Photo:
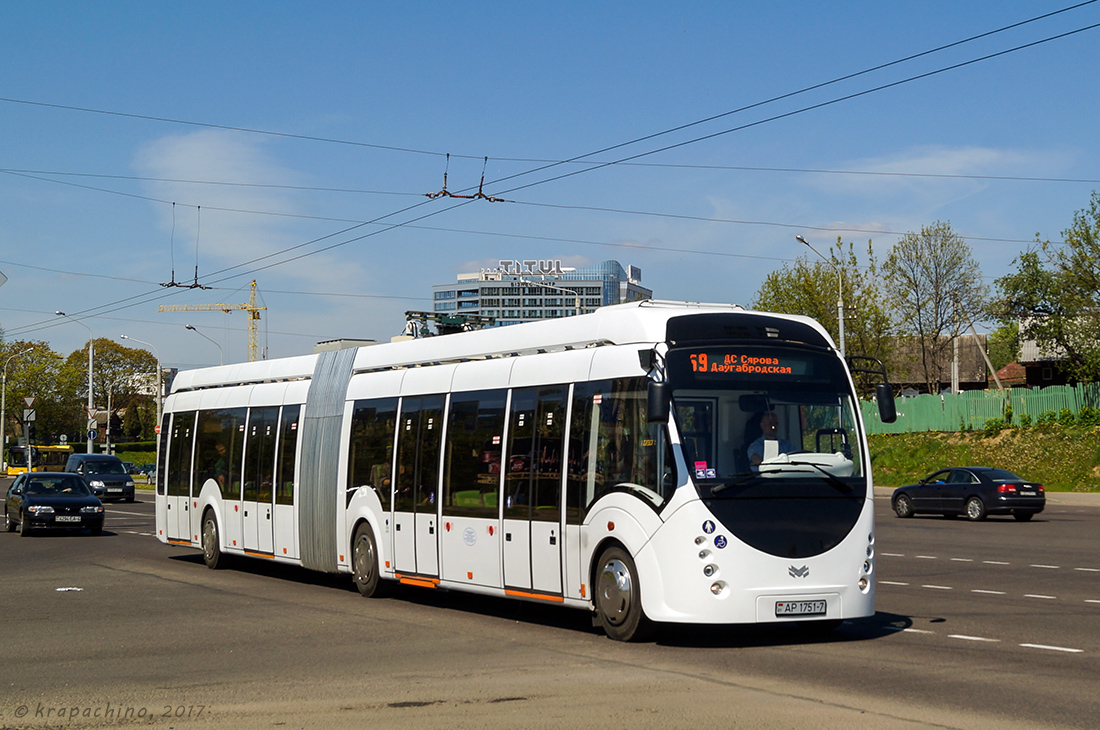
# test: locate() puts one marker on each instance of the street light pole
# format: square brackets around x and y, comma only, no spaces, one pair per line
[160,390]
[839,290]
[91,358]
[4,409]
[200,334]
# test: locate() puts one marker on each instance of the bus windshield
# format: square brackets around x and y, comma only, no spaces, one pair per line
[774,418]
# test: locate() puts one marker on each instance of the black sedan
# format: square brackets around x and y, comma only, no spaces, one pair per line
[53,501]
[974,491]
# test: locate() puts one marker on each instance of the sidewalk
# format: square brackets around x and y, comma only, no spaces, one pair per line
[1078,499]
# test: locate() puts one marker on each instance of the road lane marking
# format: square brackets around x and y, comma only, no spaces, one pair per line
[964,637]
[891,583]
[926,557]
[1035,595]
[119,512]
[893,555]
[1051,567]
[1088,570]
[939,588]
[992,593]
[1053,648]
[1091,600]
[918,631]
[995,562]
[962,560]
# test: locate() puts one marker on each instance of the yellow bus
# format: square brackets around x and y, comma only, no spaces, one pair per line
[43,458]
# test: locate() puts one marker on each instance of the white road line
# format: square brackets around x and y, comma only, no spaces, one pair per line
[964,637]
[962,560]
[995,562]
[1088,570]
[926,557]
[893,555]
[917,631]
[992,593]
[891,583]
[1091,600]
[1053,648]
[1051,567]
[939,588]
[1034,595]
[118,512]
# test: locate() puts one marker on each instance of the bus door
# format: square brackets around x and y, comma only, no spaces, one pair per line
[416,483]
[178,476]
[257,503]
[532,490]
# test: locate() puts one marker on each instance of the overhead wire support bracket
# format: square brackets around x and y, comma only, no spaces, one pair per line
[479,195]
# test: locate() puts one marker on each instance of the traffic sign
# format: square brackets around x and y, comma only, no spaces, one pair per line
[29,415]
[63,438]
[93,434]
[29,400]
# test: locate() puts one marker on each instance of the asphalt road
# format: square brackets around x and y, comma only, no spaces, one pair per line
[979,625]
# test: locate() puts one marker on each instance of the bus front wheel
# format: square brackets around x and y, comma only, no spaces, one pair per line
[619,597]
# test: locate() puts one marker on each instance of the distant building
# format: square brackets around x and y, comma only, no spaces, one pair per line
[526,291]
[907,370]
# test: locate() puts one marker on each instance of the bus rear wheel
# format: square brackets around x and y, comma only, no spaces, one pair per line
[619,597]
[364,563]
[211,546]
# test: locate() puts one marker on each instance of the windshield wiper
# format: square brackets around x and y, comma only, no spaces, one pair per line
[741,479]
[834,481]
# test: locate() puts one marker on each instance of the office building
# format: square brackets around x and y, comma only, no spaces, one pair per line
[530,290]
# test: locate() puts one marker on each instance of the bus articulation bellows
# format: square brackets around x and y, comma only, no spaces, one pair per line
[612,462]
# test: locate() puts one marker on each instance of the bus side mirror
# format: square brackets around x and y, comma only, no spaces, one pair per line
[884,394]
[658,401]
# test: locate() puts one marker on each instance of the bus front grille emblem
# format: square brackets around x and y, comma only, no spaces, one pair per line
[803,572]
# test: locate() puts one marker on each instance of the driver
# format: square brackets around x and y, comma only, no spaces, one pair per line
[769,430]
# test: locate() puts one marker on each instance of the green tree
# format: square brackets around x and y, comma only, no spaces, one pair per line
[34,370]
[1055,295]
[1003,344]
[810,288]
[121,377]
[935,289]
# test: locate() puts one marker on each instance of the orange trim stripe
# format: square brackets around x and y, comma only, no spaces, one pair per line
[418,581]
[539,596]
[259,555]
[179,542]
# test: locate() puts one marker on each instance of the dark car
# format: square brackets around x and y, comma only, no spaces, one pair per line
[51,500]
[130,467]
[104,473]
[974,491]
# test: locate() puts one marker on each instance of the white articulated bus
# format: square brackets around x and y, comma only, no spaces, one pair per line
[613,462]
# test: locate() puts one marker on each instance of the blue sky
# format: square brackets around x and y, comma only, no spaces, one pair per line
[365,100]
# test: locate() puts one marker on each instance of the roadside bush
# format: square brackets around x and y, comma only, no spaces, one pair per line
[1066,417]
[1025,420]
[993,426]
[1089,416]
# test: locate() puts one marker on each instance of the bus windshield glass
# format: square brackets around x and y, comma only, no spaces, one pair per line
[766,420]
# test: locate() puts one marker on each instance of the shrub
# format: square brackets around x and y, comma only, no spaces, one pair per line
[1066,417]
[1025,420]
[1089,416]
[1046,418]
[993,426]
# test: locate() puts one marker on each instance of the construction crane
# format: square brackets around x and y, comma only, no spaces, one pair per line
[250,307]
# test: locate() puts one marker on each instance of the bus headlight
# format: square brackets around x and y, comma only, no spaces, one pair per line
[710,570]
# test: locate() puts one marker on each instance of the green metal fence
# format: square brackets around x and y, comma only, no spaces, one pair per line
[971,409]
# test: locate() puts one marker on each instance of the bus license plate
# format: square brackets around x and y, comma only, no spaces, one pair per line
[800,608]
[67,518]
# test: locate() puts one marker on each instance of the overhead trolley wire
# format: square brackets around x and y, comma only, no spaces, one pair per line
[103,308]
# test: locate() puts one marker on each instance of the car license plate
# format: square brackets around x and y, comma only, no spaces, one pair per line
[1027,494]
[67,518]
[114,489]
[800,608]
